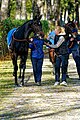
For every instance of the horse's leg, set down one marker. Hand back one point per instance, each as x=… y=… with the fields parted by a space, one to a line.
x=14 y=61
x=20 y=71
x=52 y=59
x=23 y=66
x=15 y=70
x=23 y=74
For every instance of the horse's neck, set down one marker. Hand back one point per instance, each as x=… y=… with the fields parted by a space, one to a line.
x=28 y=32
x=23 y=31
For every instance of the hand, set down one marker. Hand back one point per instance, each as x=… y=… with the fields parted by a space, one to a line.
x=31 y=39
x=72 y=39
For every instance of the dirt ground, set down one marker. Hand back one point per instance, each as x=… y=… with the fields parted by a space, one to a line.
x=44 y=102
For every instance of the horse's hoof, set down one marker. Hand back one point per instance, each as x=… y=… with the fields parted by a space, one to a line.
x=22 y=84
x=18 y=85
x=13 y=73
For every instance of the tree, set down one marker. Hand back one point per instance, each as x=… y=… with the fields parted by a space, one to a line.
x=4 y=9
x=18 y=9
x=23 y=10
x=77 y=12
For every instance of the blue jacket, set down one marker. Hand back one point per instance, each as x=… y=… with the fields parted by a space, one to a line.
x=52 y=34
x=37 y=48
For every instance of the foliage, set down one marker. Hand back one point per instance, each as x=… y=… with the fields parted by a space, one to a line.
x=12 y=8
x=29 y=6
x=45 y=26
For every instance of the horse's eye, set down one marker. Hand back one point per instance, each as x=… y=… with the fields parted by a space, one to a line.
x=69 y=35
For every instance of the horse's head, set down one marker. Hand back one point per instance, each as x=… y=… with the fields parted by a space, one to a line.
x=30 y=26
x=37 y=26
x=69 y=27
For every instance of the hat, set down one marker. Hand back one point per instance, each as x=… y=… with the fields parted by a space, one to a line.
x=74 y=30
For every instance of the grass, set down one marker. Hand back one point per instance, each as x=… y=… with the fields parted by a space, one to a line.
x=6 y=78
x=6 y=82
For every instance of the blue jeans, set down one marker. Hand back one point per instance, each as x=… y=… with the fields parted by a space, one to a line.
x=64 y=60
x=37 y=68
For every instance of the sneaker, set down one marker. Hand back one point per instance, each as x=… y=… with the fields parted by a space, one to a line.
x=64 y=83
x=56 y=83
x=38 y=83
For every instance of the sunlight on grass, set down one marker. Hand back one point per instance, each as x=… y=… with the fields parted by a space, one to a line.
x=6 y=78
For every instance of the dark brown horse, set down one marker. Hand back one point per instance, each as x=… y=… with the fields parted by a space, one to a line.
x=20 y=44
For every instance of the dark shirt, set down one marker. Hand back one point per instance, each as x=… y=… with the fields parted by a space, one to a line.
x=37 y=48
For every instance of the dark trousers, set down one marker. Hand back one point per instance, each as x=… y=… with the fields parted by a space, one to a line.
x=61 y=60
x=37 y=68
x=76 y=58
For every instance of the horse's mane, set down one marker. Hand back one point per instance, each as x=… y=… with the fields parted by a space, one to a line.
x=29 y=26
x=24 y=24
x=19 y=34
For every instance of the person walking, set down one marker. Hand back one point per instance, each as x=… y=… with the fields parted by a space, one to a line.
x=37 y=56
x=61 y=50
x=51 y=38
x=75 y=49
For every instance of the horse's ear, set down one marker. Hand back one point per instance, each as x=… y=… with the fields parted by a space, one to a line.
x=69 y=20
x=35 y=17
x=39 y=17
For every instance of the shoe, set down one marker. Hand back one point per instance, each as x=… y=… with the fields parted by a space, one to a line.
x=64 y=83
x=79 y=78
x=38 y=83
x=56 y=83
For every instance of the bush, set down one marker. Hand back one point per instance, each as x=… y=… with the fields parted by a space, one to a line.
x=45 y=26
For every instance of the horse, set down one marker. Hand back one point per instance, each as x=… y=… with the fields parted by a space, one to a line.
x=20 y=44
x=68 y=30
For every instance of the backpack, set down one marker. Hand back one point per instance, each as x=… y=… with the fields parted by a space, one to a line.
x=9 y=36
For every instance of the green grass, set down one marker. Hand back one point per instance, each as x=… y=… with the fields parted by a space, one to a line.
x=6 y=82
x=6 y=78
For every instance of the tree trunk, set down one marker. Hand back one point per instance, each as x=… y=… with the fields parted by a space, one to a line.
x=77 y=12
x=56 y=11
x=23 y=10
x=35 y=8
x=4 y=9
x=18 y=9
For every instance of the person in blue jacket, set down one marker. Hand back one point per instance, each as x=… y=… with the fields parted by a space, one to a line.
x=37 y=56
x=75 y=49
